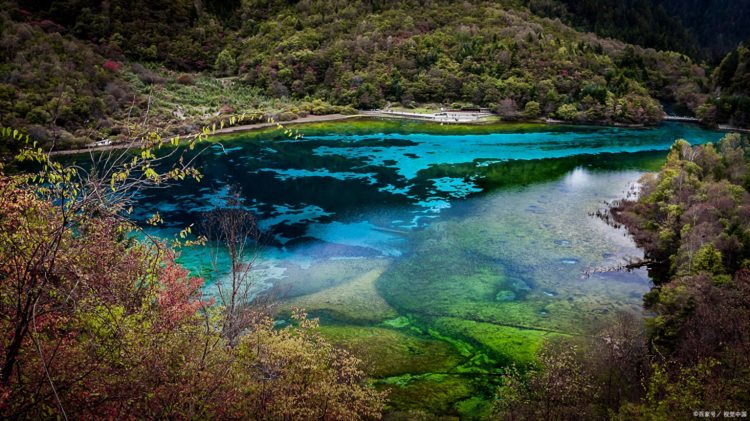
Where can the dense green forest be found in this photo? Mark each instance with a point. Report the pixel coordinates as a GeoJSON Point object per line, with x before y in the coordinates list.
{"type": "Point", "coordinates": [717, 25]}
{"type": "Point", "coordinates": [702, 29]}
{"type": "Point", "coordinates": [641, 22]}
{"type": "Point", "coordinates": [730, 102]}
{"type": "Point", "coordinates": [692, 221]}
{"type": "Point", "coordinates": [707, 31]}
{"type": "Point", "coordinates": [76, 71]}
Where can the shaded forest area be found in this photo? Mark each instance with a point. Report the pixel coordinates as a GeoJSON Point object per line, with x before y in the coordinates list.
{"type": "Point", "coordinates": [730, 102]}
{"type": "Point", "coordinates": [703, 29]}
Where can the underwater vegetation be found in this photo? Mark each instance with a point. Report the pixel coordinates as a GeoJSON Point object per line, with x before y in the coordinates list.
{"type": "Point", "coordinates": [437, 254]}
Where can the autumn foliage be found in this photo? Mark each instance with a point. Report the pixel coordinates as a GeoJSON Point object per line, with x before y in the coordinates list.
{"type": "Point", "coordinates": [98, 324]}
{"type": "Point", "coordinates": [111, 65]}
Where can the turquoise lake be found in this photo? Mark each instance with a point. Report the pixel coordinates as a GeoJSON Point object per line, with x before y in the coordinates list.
{"type": "Point", "coordinates": [438, 254]}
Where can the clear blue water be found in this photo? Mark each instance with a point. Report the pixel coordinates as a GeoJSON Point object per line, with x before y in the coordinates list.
{"type": "Point", "coordinates": [478, 239]}
{"type": "Point", "coordinates": [349, 183]}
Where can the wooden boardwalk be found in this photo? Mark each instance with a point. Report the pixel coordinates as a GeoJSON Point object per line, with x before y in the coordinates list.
{"type": "Point", "coordinates": [681, 118]}
{"type": "Point", "coordinates": [439, 117]}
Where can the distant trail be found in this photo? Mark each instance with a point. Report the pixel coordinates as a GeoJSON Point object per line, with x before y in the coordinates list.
{"type": "Point", "coordinates": [226, 130]}
{"type": "Point", "coordinates": [438, 117]}
{"type": "Point", "coordinates": [308, 119]}
{"type": "Point", "coordinates": [732, 128]}
{"type": "Point", "coordinates": [680, 118]}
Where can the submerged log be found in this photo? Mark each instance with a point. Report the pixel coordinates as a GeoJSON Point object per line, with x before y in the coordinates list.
{"type": "Point", "coordinates": [630, 265]}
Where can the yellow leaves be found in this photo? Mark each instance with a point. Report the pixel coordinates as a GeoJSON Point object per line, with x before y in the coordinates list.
{"type": "Point", "coordinates": [120, 176]}
{"type": "Point", "coordinates": [124, 228]}
{"type": "Point", "coordinates": [175, 174]}
{"type": "Point", "coordinates": [186, 231]}
{"type": "Point", "coordinates": [152, 175]}
{"type": "Point", "coordinates": [54, 178]}
{"type": "Point", "coordinates": [32, 155]}
{"type": "Point", "coordinates": [201, 240]}
{"type": "Point", "coordinates": [297, 355]}
{"type": "Point", "coordinates": [15, 135]}
{"type": "Point", "coordinates": [184, 234]}
{"type": "Point", "coordinates": [155, 219]}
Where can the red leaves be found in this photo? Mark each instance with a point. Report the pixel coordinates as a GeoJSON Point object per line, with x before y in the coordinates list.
{"type": "Point", "coordinates": [114, 329]}
{"type": "Point", "coordinates": [180, 295]}
{"type": "Point", "coordinates": [50, 27]}
{"type": "Point", "coordinates": [112, 66]}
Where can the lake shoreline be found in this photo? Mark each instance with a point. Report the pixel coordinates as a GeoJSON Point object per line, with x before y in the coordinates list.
{"type": "Point", "coordinates": [225, 131]}
{"type": "Point", "coordinates": [246, 128]}
{"type": "Point", "coordinates": [409, 241]}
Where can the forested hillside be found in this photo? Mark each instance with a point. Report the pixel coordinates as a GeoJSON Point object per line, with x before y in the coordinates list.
{"type": "Point", "coordinates": [640, 22]}
{"type": "Point", "coordinates": [717, 25]}
{"type": "Point", "coordinates": [183, 35]}
{"type": "Point", "coordinates": [480, 53]}
{"type": "Point", "coordinates": [113, 73]}
{"type": "Point", "coordinates": [702, 29]}
{"type": "Point", "coordinates": [160, 63]}
{"type": "Point", "coordinates": [692, 221]}
{"type": "Point", "coordinates": [730, 102]}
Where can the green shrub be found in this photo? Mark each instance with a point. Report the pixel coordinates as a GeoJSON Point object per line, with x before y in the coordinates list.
{"type": "Point", "coordinates": [532, 110]}
{"type": "Point", "coordinates": [567, 112]}
{"type": "Point", "coordinates": [226, 64]}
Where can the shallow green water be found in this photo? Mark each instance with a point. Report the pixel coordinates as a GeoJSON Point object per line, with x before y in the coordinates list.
{"type": "Point", "coordinates": [438, 254]}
